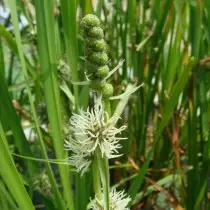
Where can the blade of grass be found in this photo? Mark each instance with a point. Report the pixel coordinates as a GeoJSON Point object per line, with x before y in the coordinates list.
{"type": "Point", "coordinates": [2, 68]}
{"type": "Point", "coordinates": [68, 13]}
{"type": "Point", "coordinates": [13, 46]}
{"type": "Point", "coordinates": [6, 196]}
{"type": "Point", "coordinates": [11, 176]}
{"type": "Point", "coordinates": [178, 88]}
{"type": "Point", "coordinates": [136, 184]}
{"type": "Point", "coordinates": [12, 5]}
{"type": "Point", "coordinates": [195, 39]}
{"type": "Point", "coordinates": [47, 54]}
{"type": "Point", "coordinates": [9, 118]}
{"type": "Point", "coordinates": [8, 39]}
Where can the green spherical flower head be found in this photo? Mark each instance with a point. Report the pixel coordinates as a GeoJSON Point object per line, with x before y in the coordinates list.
{"type": "Point", "coordinates": [107, 90]}
{"type": "Point", "coordinates": [96, 85]}
{"type": "Point", "coordinates": [90, 21]}
{"type": "Point", "coordinates": [91, 67]}
{"type": "Point", "coordinates": [99, 58]}
{"type": "Point", "coordinates": [102, 72]}
{"type": "Point", "coordinates": [96, 45]}
{"type": "Point", "coordinates": [96, 32]}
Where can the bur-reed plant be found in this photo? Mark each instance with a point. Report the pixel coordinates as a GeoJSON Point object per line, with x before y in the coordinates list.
{"type": "Point", "coordinates": [93, 134]}
{"type": "Point", "coordinates": [165, 161]}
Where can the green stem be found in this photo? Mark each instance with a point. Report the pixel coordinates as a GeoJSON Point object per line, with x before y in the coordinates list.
{"type": "Point", "coordinates": [96, 178]}
{"type": "Point", "coordinates": [104, 173]}
{"type": "Point", "coordinates": [103, 164]}
{"type": "Point", "coordinates": [107, 107]}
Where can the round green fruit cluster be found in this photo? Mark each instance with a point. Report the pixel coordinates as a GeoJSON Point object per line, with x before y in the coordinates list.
{"type": "Point", "coordinates": [96, 56]}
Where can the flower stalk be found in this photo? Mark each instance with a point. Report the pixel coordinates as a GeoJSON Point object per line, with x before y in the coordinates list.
{"type": "Point", "coordinates": [93, 136]}
{"type": "Point", "coordinates": [96, 177]}
{"type": "Point", "coordinates": [104, 174]}
{"type": "Point", "coordinates": [97, 70]}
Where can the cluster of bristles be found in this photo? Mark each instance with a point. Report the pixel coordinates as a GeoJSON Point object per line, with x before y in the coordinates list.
{"type": "Point", "coordinates": [95, 55]}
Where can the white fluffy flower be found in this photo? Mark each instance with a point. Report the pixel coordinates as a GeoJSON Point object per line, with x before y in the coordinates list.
{"type": "Point", "coordinates": [89, 130]}
{"type": "Point", "coordinates": [118, 201]}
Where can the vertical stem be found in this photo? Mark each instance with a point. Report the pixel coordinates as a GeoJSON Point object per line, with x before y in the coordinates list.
{"type": "Point", "coordinates": [107, 109]}
{"type": "Point", "coordinates": [104, 164]}
{"type": "Point", "coordinates": [104, 173]}
{"type": "Point", "coordinates": [96, 178]}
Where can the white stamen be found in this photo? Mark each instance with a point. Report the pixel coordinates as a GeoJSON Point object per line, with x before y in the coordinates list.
{"type": "Point", "coordinates": [89, 130]}
{"type": "Point", "coordinates": [118, 201]}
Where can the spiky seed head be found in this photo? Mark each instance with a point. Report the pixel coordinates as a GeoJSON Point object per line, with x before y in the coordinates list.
{"type": "Point", "coordinates": [107, 90]}
{"type": "Point", "coordinates": [89, 21]}
{"type": "Point", "coordinates": [91, 67]}
{"type": "Point", "coordinates": [102, 72]}
{"type": "Point", "coordinates": [96, 32]}
{"type": "Point", "coordinates": [95, 44]}
{"type": "Point", "coordinates": [99, 58]}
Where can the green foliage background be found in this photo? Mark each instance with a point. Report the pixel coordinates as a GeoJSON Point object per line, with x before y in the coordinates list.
{"type": "Point", "coordinates": [165, 45]}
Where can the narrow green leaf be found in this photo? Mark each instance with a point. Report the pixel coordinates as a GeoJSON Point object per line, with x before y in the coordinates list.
{"type": "Point", "coordinates": [104, 177]}
{"type": "Point", "coordinates": [9, 118]}
{"type": "Point", "coordinates": [47, 54]}
{"type": "Point", "coordinates": [11, 177]}
{"type": "Point", "coordinates": [68, 13]}
{"type": "Point", "coordinates": [2, 68]}
{"type": "Point", "coordinates": [137, 182]}
{"type": "Point", "coordinates": [178, 88]}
